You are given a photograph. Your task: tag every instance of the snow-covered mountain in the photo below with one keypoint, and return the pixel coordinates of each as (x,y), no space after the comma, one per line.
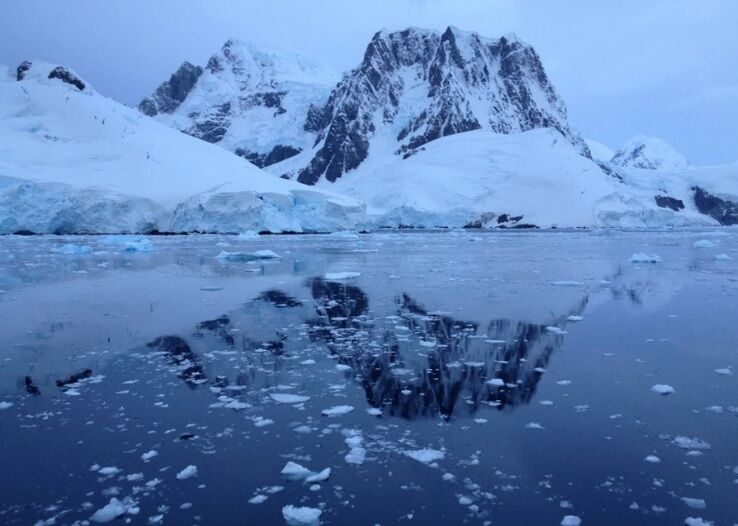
(531,179)
(600,152)
(417,85)
(251,100)
(649,153)
(73,161)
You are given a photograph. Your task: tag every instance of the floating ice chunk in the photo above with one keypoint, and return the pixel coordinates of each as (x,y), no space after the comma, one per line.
(653,459)
(258,499)
(571,520)
(248,235)
(189,471)
(555,330)
(496,382)
(260,421)
(533,425)
(149,455)
(247,256)
(574,318)
(705,243)
(286,398)
(115,509)
(374,411)
(342,367)
(337,410)
(301,516)
(72,249)
(5,405)
(339,276)
(567,283)
(726,371)
(109,471)
(722,257)
(642,257)
(564,382)
(307,362)
(698,504)
(546,402)
(320,476)
(662,389)
(426,456)
(129,243)
(697,521)
(357,455)
(690,443)
(294,471)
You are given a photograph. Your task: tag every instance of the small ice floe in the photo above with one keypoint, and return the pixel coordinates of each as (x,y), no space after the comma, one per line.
(653,459)
(697,521)
(426,455)
(260,421)
(374,411)
(5,405)
(341,367)
(662,389)
(722,257)
(642,257)
(115,509)
(301,516)
(108,471)
(574,318)
(337,410)
(340,276)
(567,283)
(212,288)
(189,471)
(320,476)
(546,402)
(571,520)
(355,441)
(258,499)
(308,362)
(697,504)
(70,249)
(134,477)
(725,371)
(247,256)
(705,243)
(149,455)
(294,471)
(496,382)
(555,330)
(129,243)
(564,382)
(248,235)
(690,443)
(533,425)
(287,398)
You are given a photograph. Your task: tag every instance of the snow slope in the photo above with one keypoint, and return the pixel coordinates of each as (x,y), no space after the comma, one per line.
(599,151)
(250,100)
(72,160)
(485,179)
(649,153)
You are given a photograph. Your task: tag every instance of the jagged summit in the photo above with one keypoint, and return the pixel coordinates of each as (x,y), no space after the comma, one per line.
(249,99)
(38,70)
(417,85)
(649,153)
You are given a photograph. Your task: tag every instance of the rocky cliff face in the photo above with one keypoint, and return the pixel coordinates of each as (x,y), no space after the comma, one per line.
(250,100)
(417,85)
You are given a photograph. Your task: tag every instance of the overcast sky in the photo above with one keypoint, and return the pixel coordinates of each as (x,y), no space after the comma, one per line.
(667,68)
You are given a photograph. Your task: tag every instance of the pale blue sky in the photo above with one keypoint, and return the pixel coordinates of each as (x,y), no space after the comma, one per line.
(667,68)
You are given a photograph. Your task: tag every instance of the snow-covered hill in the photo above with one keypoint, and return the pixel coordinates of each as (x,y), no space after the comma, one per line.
(533,178)
(251,100)
(72,160)
(600,152)
(649,153)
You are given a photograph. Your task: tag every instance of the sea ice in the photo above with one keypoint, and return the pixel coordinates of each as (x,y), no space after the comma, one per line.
(662,389)
(337,410)
(300,516)
(286,398)
(189,471)
(426,455)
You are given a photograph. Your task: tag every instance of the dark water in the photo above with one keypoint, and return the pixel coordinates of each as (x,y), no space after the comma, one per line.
(493,379)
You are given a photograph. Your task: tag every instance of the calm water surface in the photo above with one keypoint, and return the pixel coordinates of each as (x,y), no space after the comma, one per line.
(449,378)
